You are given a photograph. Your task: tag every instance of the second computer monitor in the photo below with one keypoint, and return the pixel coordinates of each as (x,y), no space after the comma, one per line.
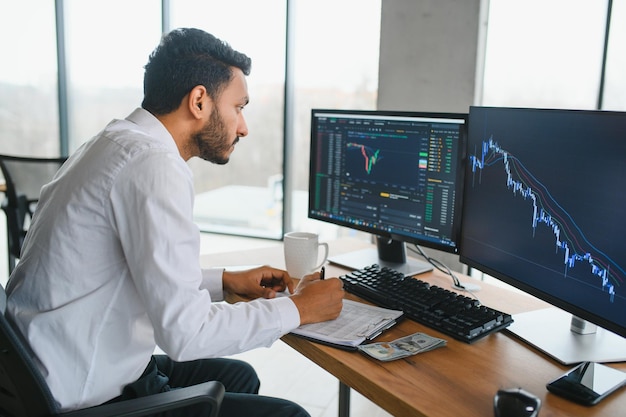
(544,211)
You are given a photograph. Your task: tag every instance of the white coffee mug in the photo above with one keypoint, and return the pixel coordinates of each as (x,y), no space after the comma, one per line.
(302,253)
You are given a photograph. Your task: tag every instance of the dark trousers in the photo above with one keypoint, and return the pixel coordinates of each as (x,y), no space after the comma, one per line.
(239,378)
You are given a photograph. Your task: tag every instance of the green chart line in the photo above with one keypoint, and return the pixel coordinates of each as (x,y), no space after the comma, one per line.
(370,156)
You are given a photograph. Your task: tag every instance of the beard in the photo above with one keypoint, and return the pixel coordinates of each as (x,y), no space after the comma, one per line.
(212,140)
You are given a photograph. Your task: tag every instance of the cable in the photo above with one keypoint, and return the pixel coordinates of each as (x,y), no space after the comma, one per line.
(456,283)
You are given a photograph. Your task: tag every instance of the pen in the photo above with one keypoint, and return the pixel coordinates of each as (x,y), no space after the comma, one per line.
(322,272)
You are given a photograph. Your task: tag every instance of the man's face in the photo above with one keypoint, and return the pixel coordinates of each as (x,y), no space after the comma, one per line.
(226,124)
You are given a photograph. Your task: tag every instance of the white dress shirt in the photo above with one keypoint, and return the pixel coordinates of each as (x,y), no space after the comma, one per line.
(110,269)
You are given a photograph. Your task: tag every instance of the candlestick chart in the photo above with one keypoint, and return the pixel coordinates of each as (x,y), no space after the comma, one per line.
(394,162)
(370,155)
(570,241)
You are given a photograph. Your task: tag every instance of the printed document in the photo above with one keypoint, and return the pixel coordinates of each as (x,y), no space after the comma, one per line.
(356,323)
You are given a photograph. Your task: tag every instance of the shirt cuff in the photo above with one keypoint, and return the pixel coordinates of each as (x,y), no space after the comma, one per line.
(289,314)
(212,282)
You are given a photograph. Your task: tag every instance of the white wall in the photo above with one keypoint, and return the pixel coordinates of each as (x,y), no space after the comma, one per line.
(428,54)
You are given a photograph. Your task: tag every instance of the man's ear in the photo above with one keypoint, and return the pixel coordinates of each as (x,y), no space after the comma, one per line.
(199,102)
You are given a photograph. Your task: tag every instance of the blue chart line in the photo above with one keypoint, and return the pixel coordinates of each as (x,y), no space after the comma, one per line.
(546,210)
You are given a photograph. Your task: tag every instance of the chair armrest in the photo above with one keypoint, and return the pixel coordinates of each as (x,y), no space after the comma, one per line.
(208,392)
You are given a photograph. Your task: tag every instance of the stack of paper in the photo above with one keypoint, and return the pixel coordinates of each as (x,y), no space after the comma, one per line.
(403,347)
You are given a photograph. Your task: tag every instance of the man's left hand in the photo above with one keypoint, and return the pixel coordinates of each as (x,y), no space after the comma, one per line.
(263,281)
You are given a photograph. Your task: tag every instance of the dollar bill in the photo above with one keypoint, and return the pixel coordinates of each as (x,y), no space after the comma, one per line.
(403,347)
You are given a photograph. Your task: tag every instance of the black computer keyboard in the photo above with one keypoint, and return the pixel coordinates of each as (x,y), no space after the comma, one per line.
(456,315)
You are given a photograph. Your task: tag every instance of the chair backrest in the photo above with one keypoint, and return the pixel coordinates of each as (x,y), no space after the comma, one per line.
(23,178)
(23,391)
(27,175)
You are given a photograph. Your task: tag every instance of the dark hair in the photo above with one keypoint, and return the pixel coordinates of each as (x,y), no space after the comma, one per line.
(184,59)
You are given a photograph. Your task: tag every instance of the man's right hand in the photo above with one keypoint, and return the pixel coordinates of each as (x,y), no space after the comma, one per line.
(318,300)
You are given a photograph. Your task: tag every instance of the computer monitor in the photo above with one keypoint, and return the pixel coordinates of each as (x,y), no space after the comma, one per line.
(543,210)
(396,175)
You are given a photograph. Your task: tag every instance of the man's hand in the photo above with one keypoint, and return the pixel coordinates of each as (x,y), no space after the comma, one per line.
(318,300)
(263,281)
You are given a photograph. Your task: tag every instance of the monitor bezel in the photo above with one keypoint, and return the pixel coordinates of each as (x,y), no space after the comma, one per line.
(460,170)
(521,285)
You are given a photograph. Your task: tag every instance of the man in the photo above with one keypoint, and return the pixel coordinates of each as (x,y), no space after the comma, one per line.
(110,266)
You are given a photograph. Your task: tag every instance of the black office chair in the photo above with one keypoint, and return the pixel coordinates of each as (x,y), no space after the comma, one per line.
(23,178)
(24,392)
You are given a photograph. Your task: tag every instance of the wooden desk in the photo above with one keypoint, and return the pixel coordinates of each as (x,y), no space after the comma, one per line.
(458,380)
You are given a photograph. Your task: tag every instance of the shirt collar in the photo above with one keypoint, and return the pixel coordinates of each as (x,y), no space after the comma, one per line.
(153,127)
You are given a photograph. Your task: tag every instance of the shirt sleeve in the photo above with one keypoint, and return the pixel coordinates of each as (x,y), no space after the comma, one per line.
(152,202)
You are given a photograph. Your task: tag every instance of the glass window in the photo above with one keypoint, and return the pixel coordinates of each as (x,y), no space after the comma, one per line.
(544,53)
(107,45)
(245,196)
(28,79)
(615,82)
(336,67)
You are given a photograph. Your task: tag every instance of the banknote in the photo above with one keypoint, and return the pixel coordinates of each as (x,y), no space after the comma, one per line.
(403,347)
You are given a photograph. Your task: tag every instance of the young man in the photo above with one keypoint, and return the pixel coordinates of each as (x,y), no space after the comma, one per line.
(110,266)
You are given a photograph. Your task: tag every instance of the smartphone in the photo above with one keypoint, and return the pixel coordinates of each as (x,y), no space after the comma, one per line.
(587,383)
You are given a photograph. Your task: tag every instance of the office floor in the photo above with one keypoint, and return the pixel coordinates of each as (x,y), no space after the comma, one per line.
(285,373)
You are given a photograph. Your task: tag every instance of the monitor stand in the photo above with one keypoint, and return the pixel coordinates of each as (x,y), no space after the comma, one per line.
(389,253)
(549,330)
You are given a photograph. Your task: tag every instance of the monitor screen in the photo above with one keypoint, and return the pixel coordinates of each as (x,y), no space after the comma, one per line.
(397,175)
(543,210)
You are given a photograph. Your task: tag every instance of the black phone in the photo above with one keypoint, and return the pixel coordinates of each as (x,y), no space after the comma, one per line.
(587,383)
